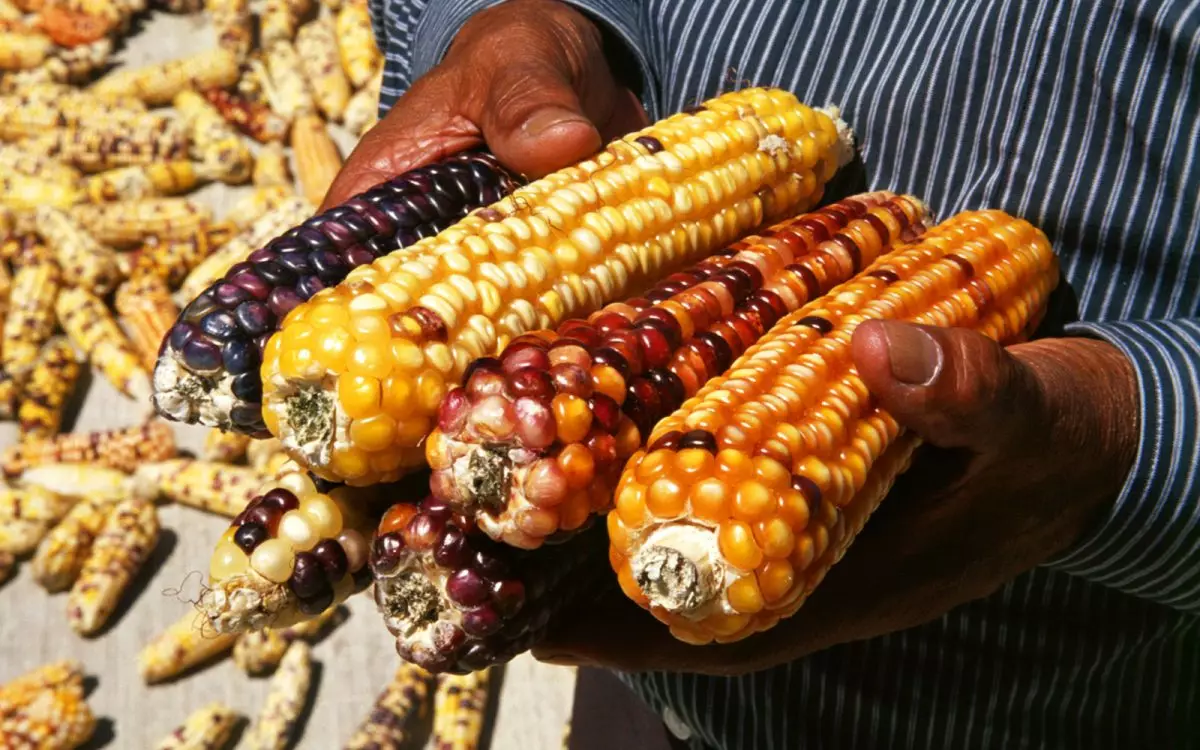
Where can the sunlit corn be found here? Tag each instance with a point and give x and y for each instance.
(214, 487)
(317, 45)
(287, 696)
(85, 262)
(92, 329)
(209, 728)
(62, 552)
(214, 143)
(141, 181)
(159, 83)
(147, 312)
(356, 43)
(398, 713)
(50, 384)
(125, 542)
(128, 223)
(187, 643)
(318, 160)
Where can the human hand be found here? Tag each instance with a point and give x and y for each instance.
(1026, 447)
(528, 78)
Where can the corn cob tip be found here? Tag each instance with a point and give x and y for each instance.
(677, 568)
(845, 136)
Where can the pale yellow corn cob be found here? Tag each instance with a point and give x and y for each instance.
(88, 481)
(85, 262)
(46, 710)
(279, 19)
(10, 12)
(20, 537)
(317, 46)
(214, 142)
(62, 552)
(259, 652)
(8, 566)
(23, 50)
(46, 677)
(123, 448)
(34, 108)
(92, 329)
(174, 259)
(397, 713)
(129, 535)
(458, 709)
(209, 728)
(317, 158)
(287, 91)
(50, 385)
(30, 319)
(362, 111)
(142, 181)
(131, 222)
(185, 644)
(288, 693)
(224, 447)
(159, 83)
(257, 203)
(26, 193)
(356, 43)
(26, 515)
(233, 24)
(14, 158)
(64, 65)
(94, 148)
(261, 454)
(148, 312)
(271, 167)
(217, 488)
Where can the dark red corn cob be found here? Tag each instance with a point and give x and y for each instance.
(532, 443)
(208, 368)
(458, 601)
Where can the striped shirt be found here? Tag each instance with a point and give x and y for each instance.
(1083, 117)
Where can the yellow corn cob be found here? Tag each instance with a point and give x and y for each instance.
(26, 193)
(14, 158)
(124, 449)
(8, 566)
(148, 312)
(458, 709)
(216, 488)
(318, 160)
(20, 537)
(10, 12)
(64, 65)
(285, 701)
(318, 50)
(85, 262)
(141, 181)
(271, 167)
(129, 535)
(279, 19)
(158, 84)
(185, 644)
(398, 711)
(46, 677)
(258, 202)
(362, 111)
(232, 22)
(261, 454)
(131, 222)
(46, 710)
(61, 554)
(224, 447)
(26, 515)
(174, 259)
(287, 91)
(94, 148)
(23, 50)
(36, 107)
(30, 319)
(259, 652)
(214, 143)
(210, 728)
(92, 330)
(79, 481)
(559, 247)
(356, 42)
(50, 385)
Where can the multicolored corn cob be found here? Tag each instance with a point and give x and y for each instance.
(259, 202)
(225, 447)
(173, 260)
(271, 167)
(141, 181)
(398, 711)
(14, 158)
(458, 710)
(534, 441)
(214, 487)
(129, 223)
(49, 386)
(79, 481)
(22, 50)
(209, 728)
(25, 193)
(65, 65)
(317, 45)
(555, 249)
(221, 150)
(125, 542)
(286, 89)
(26, 515)
(124, 449)
(92, 329)
(234, 25)
(147, 311)
(185, 644)
(95, 148)
(318, 160)
(356, 43)
(30, 319)
(260, 651)
(46, 710)
(362, 111)
(458, 601)
(280, 716)
(253, 118)
(753, 490)
(209, 368)
(84, 261)
(158, 84)
(61, 554)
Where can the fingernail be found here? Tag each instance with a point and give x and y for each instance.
(544, 119)
(916, 358)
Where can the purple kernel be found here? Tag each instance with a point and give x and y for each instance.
(889, 277)
(308, 286)
(228, 295)
(275, 274)
(448, 637)
(466, 587)
(240, 357)
(219, 324)
(357, 226)
(333, 559)
(247, 387)
(312, 238)
(262, 254)
(386, 553)
(247, 417)
(201, 306)
(451, 550)
(315, 605)
(282, 301)
(822, 325)
(308, 576)
(508, 596)
(295, 261)
(202, 356)
(181, 333)
(251, 282)
(253, 317)
(651, 144)
(249, 536)
(698, 439)
(481, 622)
(281, 500)
(266, 517)
(489, 565)
(668, 442)
(338, 234)
(358, 256)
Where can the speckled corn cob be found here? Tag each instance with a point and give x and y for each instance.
(84, 261)
(14, 158)
(318, 160)
(22, 50)
(556, 249)
(95, 148)
(259, 202)
(285, 702)
(362, 111)
(26, 193)
(49, 386)
(158, 84)
(287, 91)
(279, 19)
(141, 181)
(253, 118)
(259, 652)
(222, 151)
(46, 710)
(30, 319)
(147, 311)
(123, 448)
(403, 703)
(317, 46)
(173, 260)
(752, 491)
(217, 488)
(224, 447)
(126, 541)
(78, 481)
(185, 644)
(458, 710)
(209, 728)
(61, 554)
(356, 43)
(92, 329)
(271, 167)
(26, 515)
(233, 24)
(131, 222)
(64, 65)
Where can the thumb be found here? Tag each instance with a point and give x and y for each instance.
(954, 387)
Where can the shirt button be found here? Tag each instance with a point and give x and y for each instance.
(676, 725)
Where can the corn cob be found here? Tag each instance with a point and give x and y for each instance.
(139, 181)
(173, 260)
(159, 83)
(126, 540)
(78, 481)
(286, 90)
(30, 319)
(748, 494)
(288, 694)
(457, 601)
(123, 449)
(259, 652)
(46, 710)
(446, 301)
(15, 159)
(208, 371)
(147, 310)
(258, 202)
(271, 167)
(356, 43)
(8, 566)
(252, 118)
(317, 46)
(95, 148)
(92, 330)
(458, 709)
(5, 292)
(210, 728)
(216, 488)
(214, 142)
(36, 108)
(23, 50)
(362, 111)
(26, 193)
(131, 222)
(225, 447)
(10, 12)
(61, 554)
(46, 677)
(85, 262)
(318, 160)
(26, 515)
(402, 704)
(185, 644)
(533, 442)
(232, 22)
(64, 65)
(117, 12)
(50, 385)
(72, 28)
(279, 19)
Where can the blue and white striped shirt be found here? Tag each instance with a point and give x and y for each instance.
(1083, 117)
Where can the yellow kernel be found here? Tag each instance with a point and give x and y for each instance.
(228, 560)
(804, 552)
(350, 463)
(655, 464)
(398, 396)
(406, 354)
(328, 315)
(753, 501)
(439, 357)
(736, 540)
(772, 473)
(297, 483)
(793, 509)
(370, 360)
(368, 303)
(431, 388)
(273, 560)
(296, 336)
(775, 579)
(413, 430)
(733, 466)
(710, 500)
(609, 381)
(665, 498)
(298, 530)
(323, 514)
(373, 433)
(775, 537)
(358, 395)
(572, 417)
(332, 349)
(631, 504)
(370, 329)
(294, 364)
(744, 595)
(694, 464)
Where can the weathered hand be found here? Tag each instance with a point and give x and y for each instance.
(1026, 447)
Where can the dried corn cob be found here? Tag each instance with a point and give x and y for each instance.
(94, 148)
(65, 65)
(213, 487)
(79, 481)
(126, 540)
(123, 449)
(8, 566)
(61, 554)
(233, 24)
(85, 262)
(259, 652)
(30, 319)
(36, 108)
(534, 441)
(287, 91)
(317, 46)
(208, 371)
(458, 708)
(185, 644)
(271, 167)
(285, 702)
(19, 536)
(258, 202)
(318, 160)
(10, 12)
(131, 222)
(356, 43)
(210, 728)
(458, 601)
(434, 307)
(174, 259)
(46, 677)
(279, 19)
(403, 703)
(46, 710)
(117, 12)
(253, 118)
(23, 50)
(72, 28)
(362, 111)
(751, 492)
(147, 310)
(26, 193)
(14, 158)
(26, 515)
(50, 385)
(225, 447)
(159, 83)
(214, 142)
(141, 181)
(92, 329)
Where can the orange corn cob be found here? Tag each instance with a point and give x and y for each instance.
(148, 312)
(280, 714)
(85, 262)
(46, 710)
(356, 41)
(362, 111)
(26, 193)
(286, 89)
(209, 728)
(318, 160)
(117, 12)
(141, 181)
(92, 329)
(224, 447)
(560, 247)
(172, 260)
(61, 554)
(131, 222)
(94, 148)
(159, 83)
(50, 385)
(15, 159)
(221, 150)
(458, 710)
(217, 488)
(271, 167)
(185, 644)
(253, 118)
(22, 50)
(123, 449)
(317, 46)
(233, 23)
(398, 711)
(125, 542)
(259, 652)
(258, 202)
(71, 28)
(30, 319)
(749, 493)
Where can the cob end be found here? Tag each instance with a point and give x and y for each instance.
(181, 396)
(675, 568)
(484, 478)
(244, 602)
(845, 136)
(309, 426)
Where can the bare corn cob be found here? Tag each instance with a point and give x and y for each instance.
(271, 167)
(253, 118)
(317, 46)
(287, 91)
(8, 566)
(173, 260)
(233, 23)
(67, 27)
(259, 652)
(30, 319)
(356, 43)
(403, 703)
(209, 372)
(458, 709)
(359, 414)
(225, 447)
(26, 193)
(26, 515)
(362, 111)
(131, 222)
(185, 644)
(50, 385)
(125, 542)
(22, 50)
(209, 728)
(159, 83)
(92, 329)
(15, 159)
(217, 488)
(753, 490)
(534, 441)
(79, 481)
(280, 715)
(95, 148)
(318, 160)
(85, 262)
(46, 710)
(61, 554)
(139, 181)
(279, 19)
(257, 203)
(123, 448)
(214, 142)
(147, 310)
(64, 65)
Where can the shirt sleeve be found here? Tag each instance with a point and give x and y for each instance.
(1149, 543)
